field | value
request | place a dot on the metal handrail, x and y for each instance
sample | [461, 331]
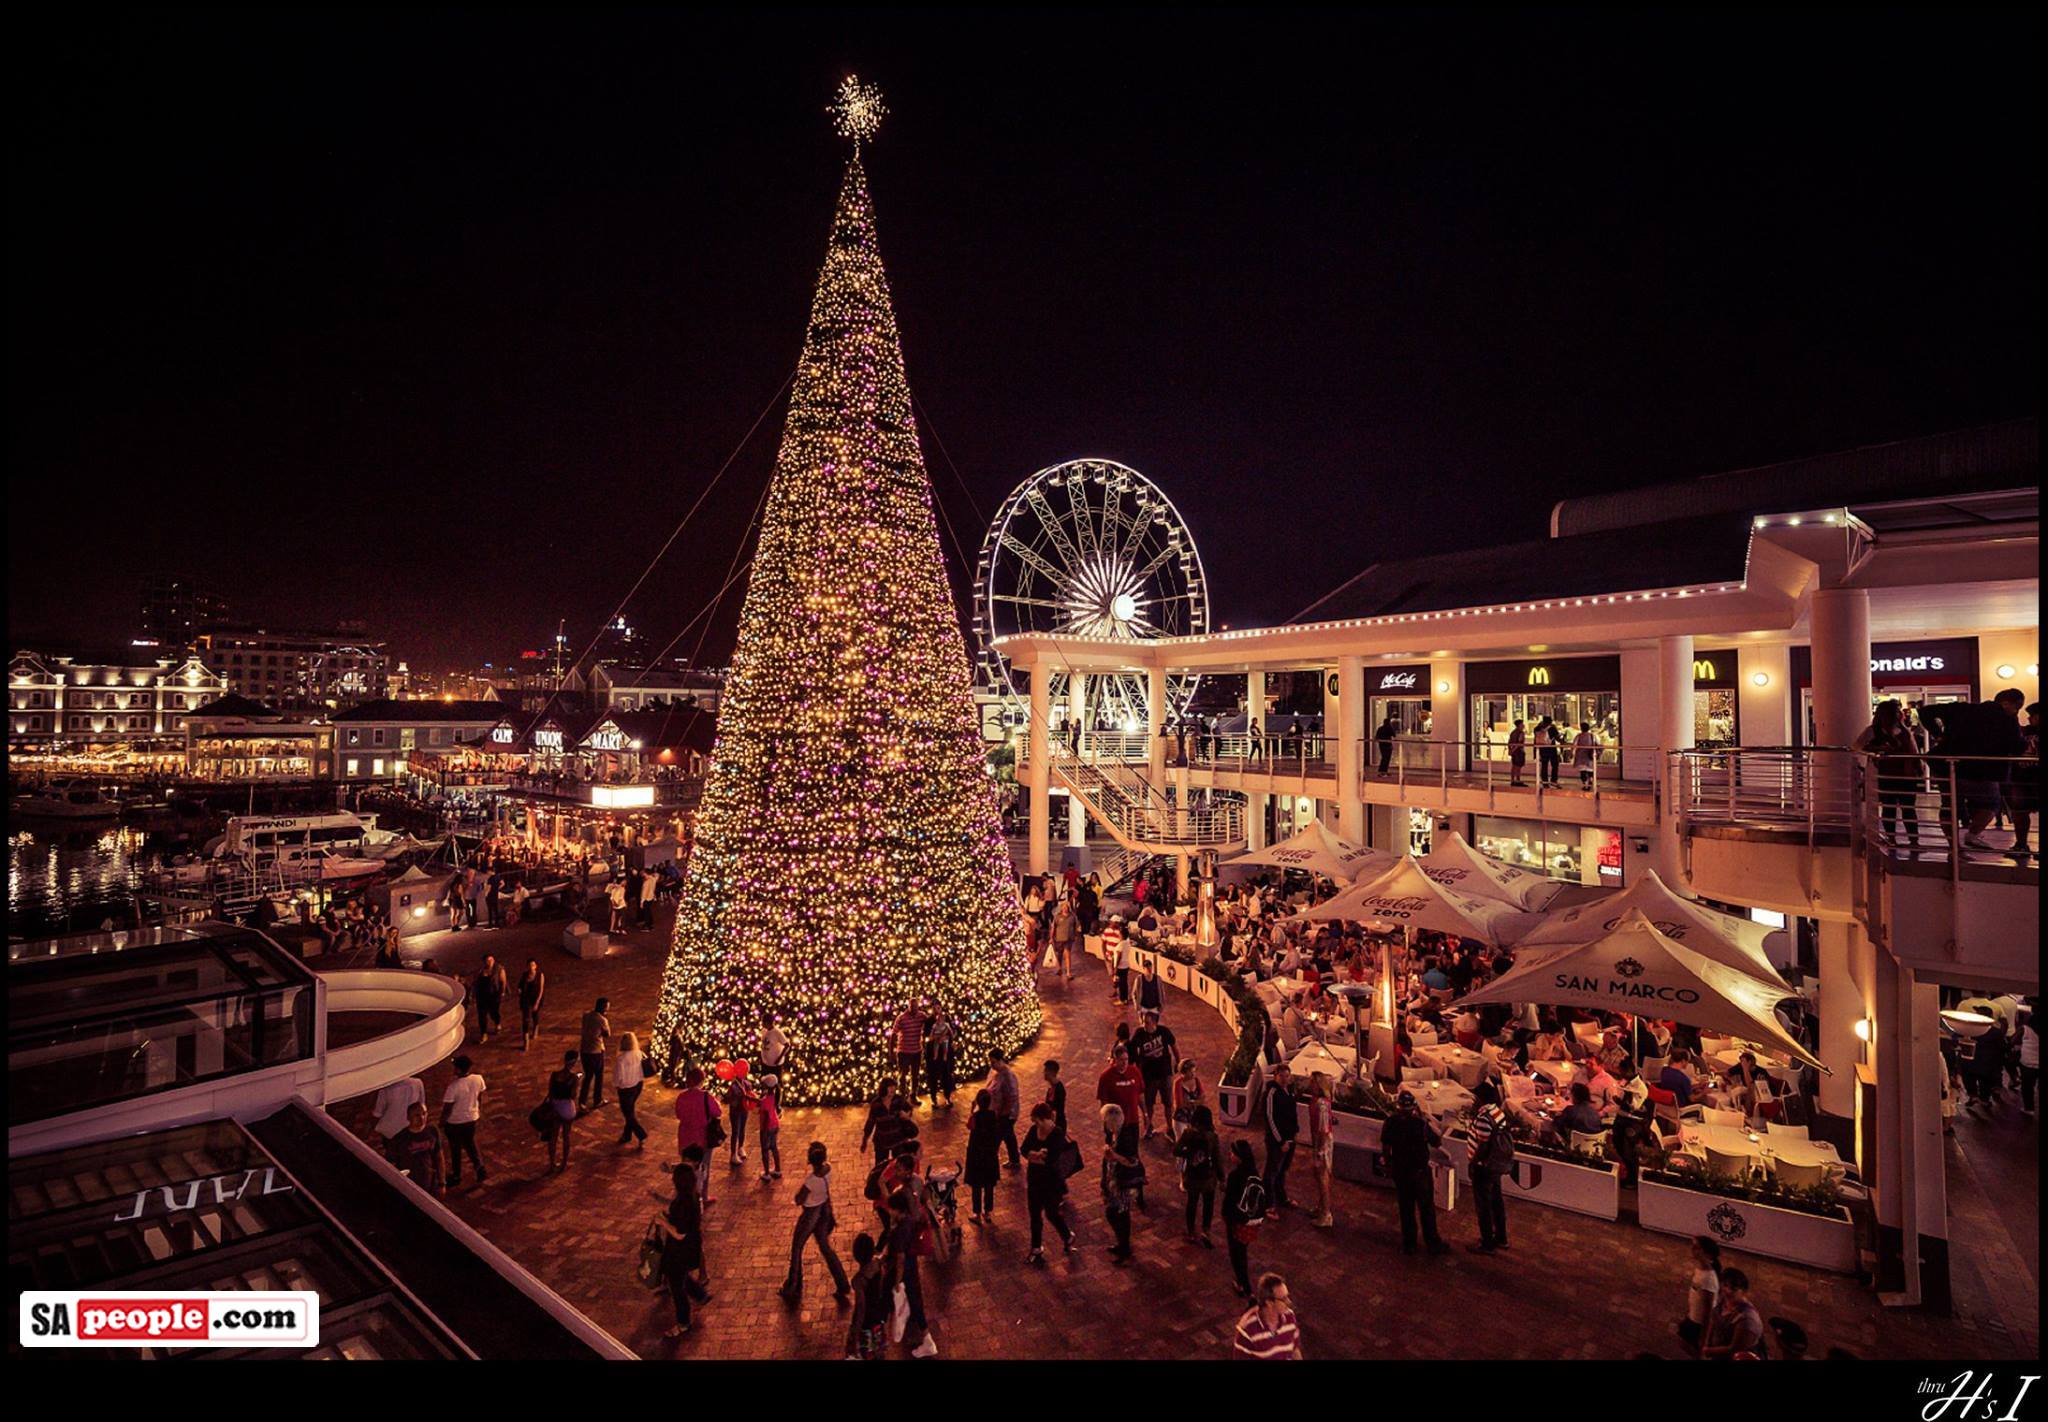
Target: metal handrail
[1909, 807]
[1133, 810]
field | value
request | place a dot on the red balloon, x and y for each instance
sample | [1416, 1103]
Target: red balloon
[739, 1068]
[722, 1070]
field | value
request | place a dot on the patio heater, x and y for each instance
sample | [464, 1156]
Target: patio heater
[1205, 899]
[1381, 1038]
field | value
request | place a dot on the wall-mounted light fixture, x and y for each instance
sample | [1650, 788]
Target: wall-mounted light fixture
[2005, 672]
[1762, 678]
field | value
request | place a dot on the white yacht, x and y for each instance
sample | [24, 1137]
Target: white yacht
[68, 800]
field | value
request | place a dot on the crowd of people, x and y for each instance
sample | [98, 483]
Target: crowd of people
[1029, 1146]
[1978, 762]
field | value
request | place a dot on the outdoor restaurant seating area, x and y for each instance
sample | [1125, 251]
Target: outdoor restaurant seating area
[1382, 986]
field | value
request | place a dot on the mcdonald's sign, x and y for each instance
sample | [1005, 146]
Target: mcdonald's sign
[1703, 669]
[1539, 676]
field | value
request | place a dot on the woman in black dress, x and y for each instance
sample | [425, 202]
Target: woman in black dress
[983, 1165]
[1045, 1181]
[533, 987]
[682, 1255]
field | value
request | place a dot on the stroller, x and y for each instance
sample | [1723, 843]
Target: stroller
[941, 1203]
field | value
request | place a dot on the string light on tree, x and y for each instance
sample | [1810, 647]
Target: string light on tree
[849, 857]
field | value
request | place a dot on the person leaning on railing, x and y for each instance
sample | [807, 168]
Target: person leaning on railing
[1899, 770]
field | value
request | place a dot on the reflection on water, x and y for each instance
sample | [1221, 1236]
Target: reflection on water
[62, 878]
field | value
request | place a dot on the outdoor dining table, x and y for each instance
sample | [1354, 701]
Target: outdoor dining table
[1453, 1060]
[1563, 1073]
[1758, 1145]
[1440, 1099]
[1331, 1061]
[1537, 1111]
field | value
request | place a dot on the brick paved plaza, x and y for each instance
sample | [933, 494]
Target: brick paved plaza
[1569, 1287]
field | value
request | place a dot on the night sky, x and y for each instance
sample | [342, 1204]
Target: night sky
[441, 323]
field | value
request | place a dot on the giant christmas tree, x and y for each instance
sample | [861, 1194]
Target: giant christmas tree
[849, 858]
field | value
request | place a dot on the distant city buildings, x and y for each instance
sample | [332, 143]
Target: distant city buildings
[236, 740]
[59, 699]
[624, 687]
[175, 610]
[309, 669]
[373, 740]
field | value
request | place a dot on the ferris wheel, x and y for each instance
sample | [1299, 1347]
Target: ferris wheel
[1090, 548]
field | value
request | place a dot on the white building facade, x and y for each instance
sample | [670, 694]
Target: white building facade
[1714, 638]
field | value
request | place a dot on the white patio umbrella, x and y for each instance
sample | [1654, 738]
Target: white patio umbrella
[1317, 849]
[1634, 968]
[1721, 937]
[1407, 898]
[1456, 865]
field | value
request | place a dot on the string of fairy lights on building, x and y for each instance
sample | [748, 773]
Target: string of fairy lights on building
[849, 857]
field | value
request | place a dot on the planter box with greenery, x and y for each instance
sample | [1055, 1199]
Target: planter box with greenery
[1173, 972]
[1803, 1226]
[1237, 1101]
[1244, 1073]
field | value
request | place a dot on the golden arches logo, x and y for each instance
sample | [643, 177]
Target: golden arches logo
[1702, 669]
[1539, 676]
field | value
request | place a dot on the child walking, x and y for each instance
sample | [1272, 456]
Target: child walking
[770, 1111]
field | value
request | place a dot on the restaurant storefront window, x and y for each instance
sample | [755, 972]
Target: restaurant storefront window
[1402, 693]
[1925, 673]
[1577, 854]
[1716, 719]
[1421, 831]
[1572, 691]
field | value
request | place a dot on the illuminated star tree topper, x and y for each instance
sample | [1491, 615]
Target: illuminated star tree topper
[858, 110]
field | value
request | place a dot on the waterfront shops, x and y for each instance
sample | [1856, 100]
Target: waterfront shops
[1922, 673]
[1572, 691]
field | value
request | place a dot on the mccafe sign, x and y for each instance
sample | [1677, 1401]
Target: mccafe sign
[1387, 681]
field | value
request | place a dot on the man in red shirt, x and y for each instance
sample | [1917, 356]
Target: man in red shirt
[910, 1047]
[1122, 1083]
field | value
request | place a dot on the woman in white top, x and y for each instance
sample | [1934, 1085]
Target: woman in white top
[814, 1221]
[629, 1077]
[1702, 1290]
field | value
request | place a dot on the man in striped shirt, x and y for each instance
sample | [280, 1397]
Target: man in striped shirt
[910, 1048]
[1492, 1156]
[1268, 1332]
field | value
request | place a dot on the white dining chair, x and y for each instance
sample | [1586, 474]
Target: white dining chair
[1715, 1116]
[1590, 1144]
[1728, 1166]
[1785, 1132]
[1798, 1176]
[1413, 1076]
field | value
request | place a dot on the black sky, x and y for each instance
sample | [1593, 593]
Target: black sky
[442, 321]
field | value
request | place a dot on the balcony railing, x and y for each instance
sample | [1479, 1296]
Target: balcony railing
[1912, 809]
[1104, 770]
